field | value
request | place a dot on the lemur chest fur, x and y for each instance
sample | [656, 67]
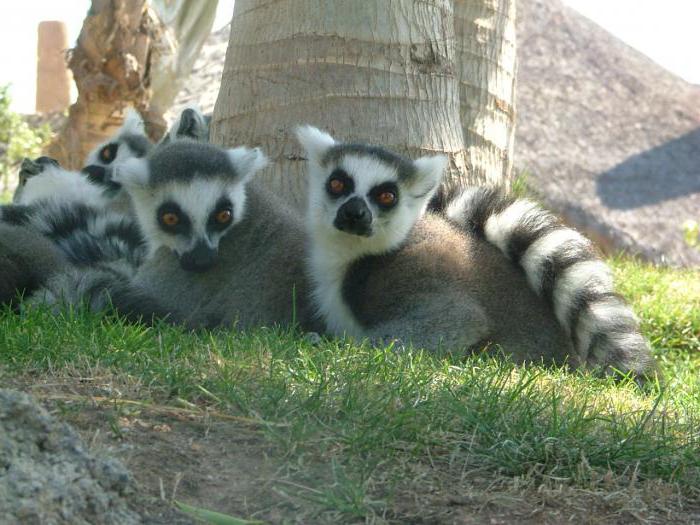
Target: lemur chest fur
[328, 275]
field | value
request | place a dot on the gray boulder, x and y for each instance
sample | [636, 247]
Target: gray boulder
[47, 476]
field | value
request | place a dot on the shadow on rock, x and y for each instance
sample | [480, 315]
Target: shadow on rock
[665, 172]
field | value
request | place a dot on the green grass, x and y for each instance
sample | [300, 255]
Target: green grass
[366, 415]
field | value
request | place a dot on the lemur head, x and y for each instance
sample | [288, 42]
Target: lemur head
[190, 124]
[187, 195]
[130, 141]
[365, 196]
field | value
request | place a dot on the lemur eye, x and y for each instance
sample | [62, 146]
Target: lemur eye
[386, 198]
[170, 219]
[336, 186]
[108, 153]
[224, 216]
[339, 183]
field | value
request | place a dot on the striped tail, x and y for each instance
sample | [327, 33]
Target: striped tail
[565, 269]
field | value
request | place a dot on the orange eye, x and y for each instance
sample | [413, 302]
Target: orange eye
[170, 219]
[108, 153]
[336, 186]
[386, 198]
[224, 216]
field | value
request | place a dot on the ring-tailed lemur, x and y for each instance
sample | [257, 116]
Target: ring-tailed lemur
[73, 213]
[382, 268]
[66, 213]
[130, 141]
[88, 215]
[222, 251]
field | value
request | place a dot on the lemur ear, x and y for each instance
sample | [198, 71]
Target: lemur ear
[247, 162]
[191, 124]
[314, 141]
[133, 123]
[132, 173]
[429, 172]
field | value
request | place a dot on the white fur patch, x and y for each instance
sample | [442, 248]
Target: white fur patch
[327, 273]
[594, 276]
[458, 207]
[247, 161]
[58, 185]
[314, 141]
[600, 317]
[543, 248]
[132, 172]
[499, 227]
[430, 172]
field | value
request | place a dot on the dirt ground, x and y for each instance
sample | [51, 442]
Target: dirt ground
[227, 464]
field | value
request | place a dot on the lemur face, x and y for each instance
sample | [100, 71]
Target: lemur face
[130, 141]
[188, 195]
[191, 218]
[365, 195]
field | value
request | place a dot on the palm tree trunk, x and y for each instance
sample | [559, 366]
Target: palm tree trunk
[486, 62]
[376, 71]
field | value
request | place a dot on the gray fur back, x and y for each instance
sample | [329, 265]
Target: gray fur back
[464, 286]
[27, 260]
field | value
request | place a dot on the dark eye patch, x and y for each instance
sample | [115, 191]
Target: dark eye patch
[109, 152]
[376, 193]
[184, 224]
[339, 175]
[222, 205]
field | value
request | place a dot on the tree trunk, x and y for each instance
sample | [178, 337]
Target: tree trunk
[373, 71]
[111, 65]
[486, 61]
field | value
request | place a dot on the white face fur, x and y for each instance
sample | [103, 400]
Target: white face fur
[363, 200]
[189, 215]
[115, 151]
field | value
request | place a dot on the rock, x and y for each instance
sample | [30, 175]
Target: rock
[47, 476]
[610, 139]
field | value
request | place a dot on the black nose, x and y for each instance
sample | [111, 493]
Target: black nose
[199, 259]
[354, 217]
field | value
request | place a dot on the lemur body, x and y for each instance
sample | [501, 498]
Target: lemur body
[381, 268]
[27, 261]
[222, 251]
[73, 213]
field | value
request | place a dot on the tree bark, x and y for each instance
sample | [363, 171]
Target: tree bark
[486, 62]
[111, 65]
[373, 71]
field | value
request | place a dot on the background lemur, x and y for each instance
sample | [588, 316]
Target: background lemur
[382, 268]
[83, 216]
[221, 250]
[73, 212]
